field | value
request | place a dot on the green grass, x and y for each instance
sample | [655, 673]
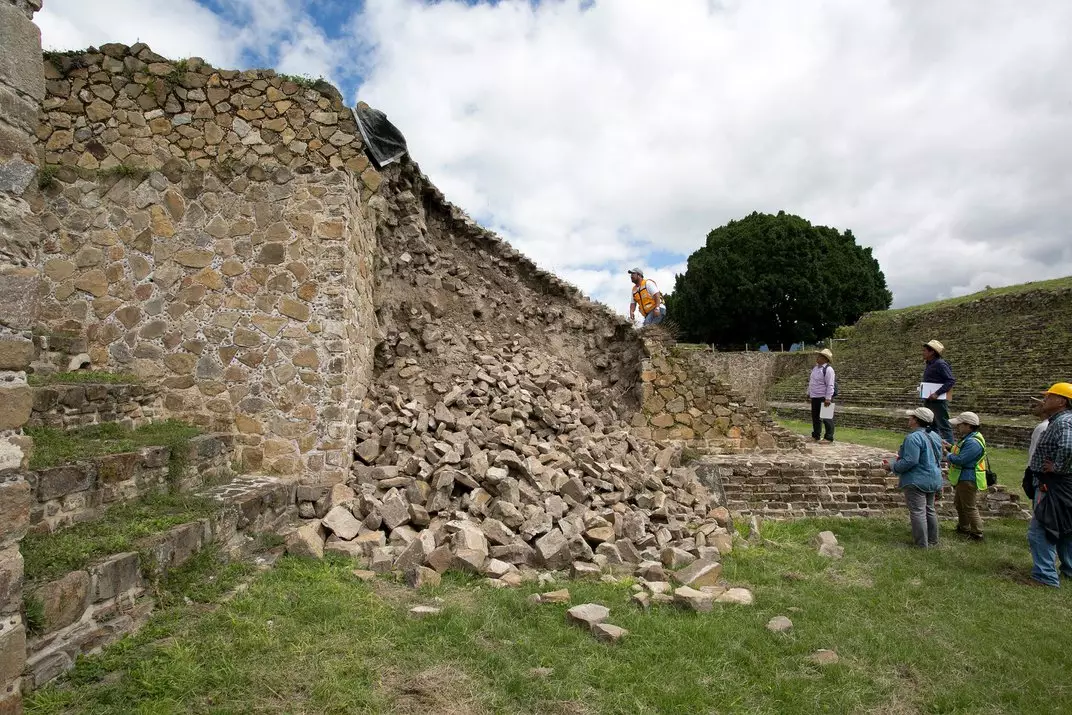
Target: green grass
[84, 377]
[943, 630]
[53, 446]
[123, 527]
[1009, 464]
[304, 81]
[1053, 284]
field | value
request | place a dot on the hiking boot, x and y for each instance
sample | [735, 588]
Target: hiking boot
[975, 537]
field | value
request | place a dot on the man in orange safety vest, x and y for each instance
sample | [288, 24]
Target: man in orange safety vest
[647, 297]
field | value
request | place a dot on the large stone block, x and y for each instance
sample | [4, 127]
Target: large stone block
[15, 500]
[15, 353]
[12, 651]
[118, 574]
[18, 287]
[16, 405]
[11, 572]
[58, 481]
[64, 599]
[20, 62]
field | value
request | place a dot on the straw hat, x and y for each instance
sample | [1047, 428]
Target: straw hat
[935, 346]
[826, 354]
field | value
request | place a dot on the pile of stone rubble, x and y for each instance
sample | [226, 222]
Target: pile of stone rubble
[506, 470]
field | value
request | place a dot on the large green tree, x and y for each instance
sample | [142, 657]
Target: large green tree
[775, 279]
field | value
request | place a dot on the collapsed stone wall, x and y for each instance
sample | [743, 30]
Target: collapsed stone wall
[683, 401]
[209, 231]
[751, 374]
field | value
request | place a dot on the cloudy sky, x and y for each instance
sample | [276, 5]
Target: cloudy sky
[598, 134]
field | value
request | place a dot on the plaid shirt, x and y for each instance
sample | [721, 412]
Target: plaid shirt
[1055, 444]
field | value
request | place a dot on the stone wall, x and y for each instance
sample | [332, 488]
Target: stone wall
[803, 485]
[80, 491]
[209, 231]
[21, 90]
[70, 406]
[682, 402]
[87, 609]
[751, 374]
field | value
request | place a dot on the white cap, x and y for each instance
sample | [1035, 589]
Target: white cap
[922, 414]
[967, 418]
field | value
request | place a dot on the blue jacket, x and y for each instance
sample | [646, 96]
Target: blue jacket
[968, 456]
[938, 370]
[917, 461]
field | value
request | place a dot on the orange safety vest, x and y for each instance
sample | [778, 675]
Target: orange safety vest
[643, 298]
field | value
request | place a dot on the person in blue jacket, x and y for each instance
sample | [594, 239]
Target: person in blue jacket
[920, 475]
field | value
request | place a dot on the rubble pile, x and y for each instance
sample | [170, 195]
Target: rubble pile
[509, 470]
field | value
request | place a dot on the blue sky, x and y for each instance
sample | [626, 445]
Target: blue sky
[600, 135]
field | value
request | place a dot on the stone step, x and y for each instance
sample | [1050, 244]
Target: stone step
[67, 406]
[89, 608]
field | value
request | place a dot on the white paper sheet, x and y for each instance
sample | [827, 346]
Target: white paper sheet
[826, 412]
[926, 388]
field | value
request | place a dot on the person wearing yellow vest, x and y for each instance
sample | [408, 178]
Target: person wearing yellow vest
[967, 473]
[647, 298]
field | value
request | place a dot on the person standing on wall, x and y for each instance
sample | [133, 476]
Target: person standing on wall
[937, 372]
[647, 297]
[1050, 533]
[967, 474]
[920, 475]
[821, 393]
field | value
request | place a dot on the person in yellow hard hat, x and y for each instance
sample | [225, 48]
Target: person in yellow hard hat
[1050, 488]
[647, 298]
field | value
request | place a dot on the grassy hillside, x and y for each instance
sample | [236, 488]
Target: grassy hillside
[1004, 345]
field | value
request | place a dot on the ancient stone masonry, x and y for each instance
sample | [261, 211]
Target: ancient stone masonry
[21, 90]
[683, 402]
[751, 374]
[69, 406]
[209, 232]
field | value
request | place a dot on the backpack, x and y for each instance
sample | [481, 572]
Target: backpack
[835, 380]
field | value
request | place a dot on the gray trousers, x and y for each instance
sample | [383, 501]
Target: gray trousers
[923, 516]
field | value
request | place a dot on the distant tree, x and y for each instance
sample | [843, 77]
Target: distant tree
[775, 279]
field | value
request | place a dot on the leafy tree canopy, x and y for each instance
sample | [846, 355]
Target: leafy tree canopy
[775, 279]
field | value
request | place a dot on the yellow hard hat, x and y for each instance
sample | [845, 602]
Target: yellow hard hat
[1064, 389]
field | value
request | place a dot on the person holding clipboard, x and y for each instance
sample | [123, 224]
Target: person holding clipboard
[934, 390]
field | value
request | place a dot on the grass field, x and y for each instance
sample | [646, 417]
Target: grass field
[945, 630]
[1009, 464]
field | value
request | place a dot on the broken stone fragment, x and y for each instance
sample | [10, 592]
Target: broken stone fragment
[823, 657]
[560, 596]
[608, 633]
[553, 550]
[307, 541]
[581, 570]
[422, 576]
[341, 522]
[739, 596]
[699, 574]
[696, 600]
[587, 614]
[779, 624]
[674, 558]
[424, 611]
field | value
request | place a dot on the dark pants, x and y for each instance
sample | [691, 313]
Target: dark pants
[966, 500]
[817, 424]
[941, 425]
[922, 516]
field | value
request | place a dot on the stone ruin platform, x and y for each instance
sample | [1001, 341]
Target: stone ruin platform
[822, 479]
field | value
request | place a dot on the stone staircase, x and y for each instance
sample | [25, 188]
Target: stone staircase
[85, 609]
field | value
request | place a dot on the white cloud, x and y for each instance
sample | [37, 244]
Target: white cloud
[599, 135]
[592, 137]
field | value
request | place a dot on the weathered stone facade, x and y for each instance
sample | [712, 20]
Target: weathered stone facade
[21, 91]
[80, 491]
[87, 609]
[209, 231]
[681, 402]
[69, 406]
[751, 374]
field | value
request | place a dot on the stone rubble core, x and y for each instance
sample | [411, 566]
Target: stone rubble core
[511, 467]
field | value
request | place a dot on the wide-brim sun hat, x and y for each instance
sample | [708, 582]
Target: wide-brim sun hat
[967, 418]
[935, 346]
[826, 354]
[921, 413]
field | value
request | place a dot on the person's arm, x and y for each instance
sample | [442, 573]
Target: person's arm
[632, 309]
[909, 456]
[970, 452]
[945, 376]
[829, 382]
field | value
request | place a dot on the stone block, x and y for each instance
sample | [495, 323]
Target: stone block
[64, 600]
[118, 574]
[15, 501]
[115, 468]
[12, 649]
[16, 405]
[11, 573]
[20, 62]
[15, 353]
[56, 482]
